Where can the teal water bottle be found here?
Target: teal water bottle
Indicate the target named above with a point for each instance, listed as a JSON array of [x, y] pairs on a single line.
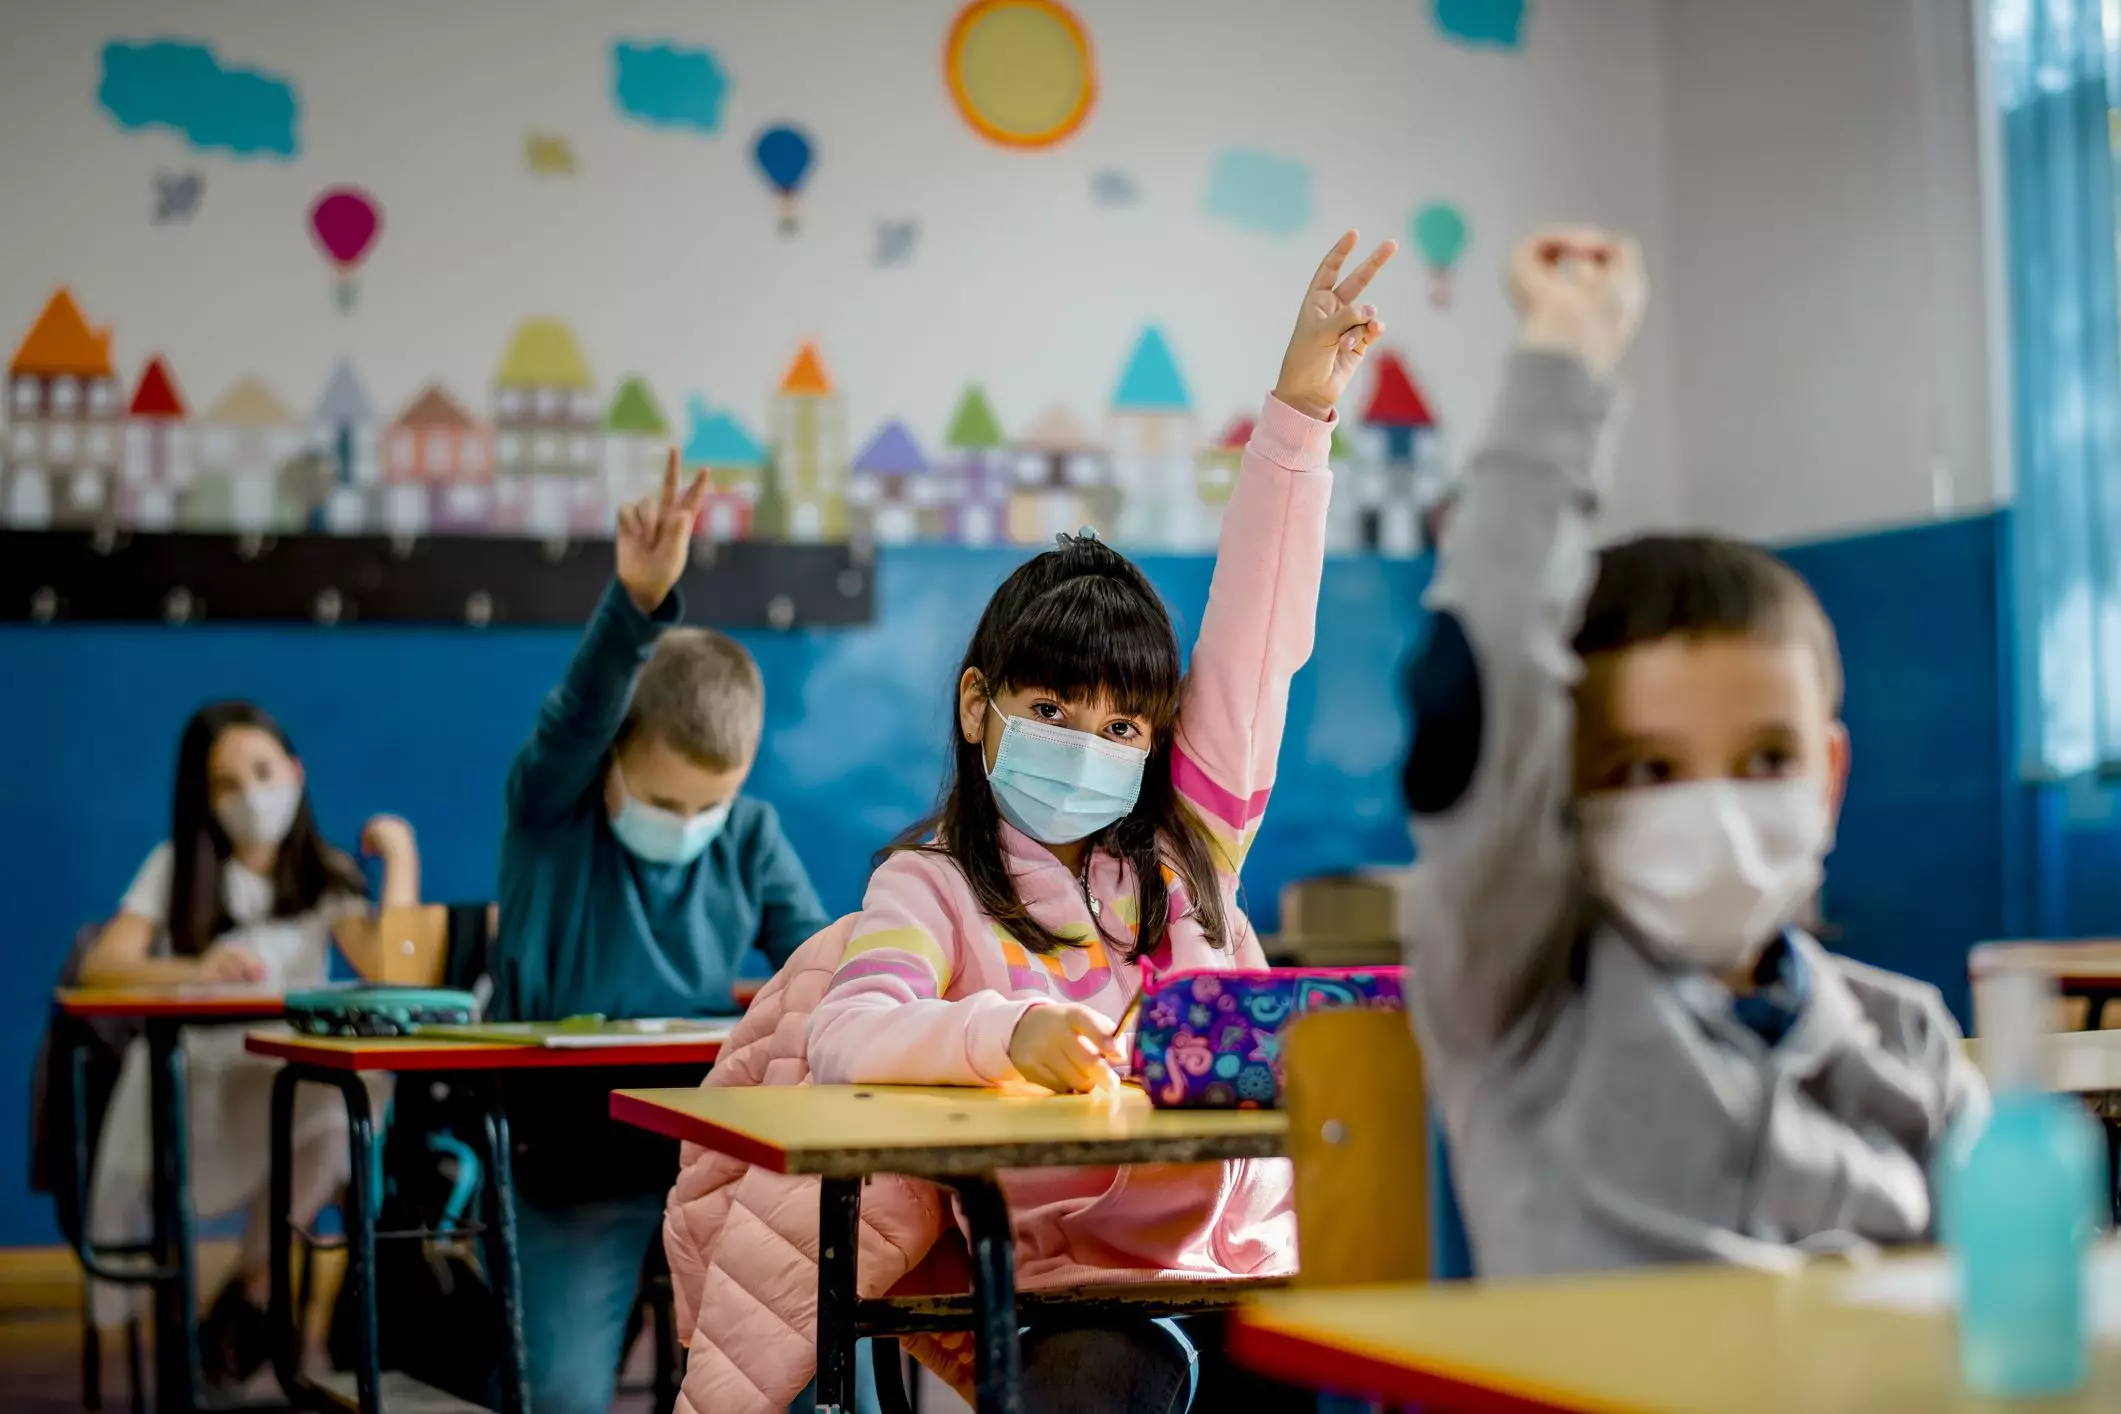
[[2022, 1197]]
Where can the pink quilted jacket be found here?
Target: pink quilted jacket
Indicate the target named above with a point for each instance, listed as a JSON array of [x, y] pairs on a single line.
[[927, 991]]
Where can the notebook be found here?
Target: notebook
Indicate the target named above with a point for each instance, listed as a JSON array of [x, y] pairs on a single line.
[[593, 1035]]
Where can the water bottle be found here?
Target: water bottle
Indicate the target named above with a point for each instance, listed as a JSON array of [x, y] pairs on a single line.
[[2021, 1203]]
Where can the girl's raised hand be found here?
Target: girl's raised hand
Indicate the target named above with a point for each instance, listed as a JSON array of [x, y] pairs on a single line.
[[1333, 332]]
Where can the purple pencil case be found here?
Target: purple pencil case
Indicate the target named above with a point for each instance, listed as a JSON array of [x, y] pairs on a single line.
[[1212, 1040]]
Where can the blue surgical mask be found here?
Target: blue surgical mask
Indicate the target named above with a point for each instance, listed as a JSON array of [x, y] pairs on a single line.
[[1059, 785], [661, 836]]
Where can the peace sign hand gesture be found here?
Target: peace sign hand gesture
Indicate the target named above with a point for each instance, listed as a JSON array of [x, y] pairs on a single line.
[[1333, 332], [654, 536]]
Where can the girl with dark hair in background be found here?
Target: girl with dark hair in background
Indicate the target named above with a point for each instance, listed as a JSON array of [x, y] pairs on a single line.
[[244, 890]]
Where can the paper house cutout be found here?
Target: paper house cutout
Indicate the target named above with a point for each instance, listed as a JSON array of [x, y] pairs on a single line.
[[1151, 382], [806, 375], [156, 397], [973, 427]]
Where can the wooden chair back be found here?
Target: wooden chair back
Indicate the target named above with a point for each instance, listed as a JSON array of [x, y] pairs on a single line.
[[1359, 1137]]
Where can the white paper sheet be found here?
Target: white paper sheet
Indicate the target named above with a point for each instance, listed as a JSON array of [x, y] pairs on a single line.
[[1927, 1286]]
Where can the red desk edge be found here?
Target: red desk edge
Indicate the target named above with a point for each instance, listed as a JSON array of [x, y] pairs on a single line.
[[410, 1056], [658, 1119], [1337, 1369], [85, 1002]]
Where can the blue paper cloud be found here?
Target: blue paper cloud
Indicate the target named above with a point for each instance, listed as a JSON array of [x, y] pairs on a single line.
[[179, 84], [668, 87], [1496, 23], [1260, 192]]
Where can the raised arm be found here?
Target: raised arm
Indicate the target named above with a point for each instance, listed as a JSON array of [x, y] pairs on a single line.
[[563, 761], [1263, 600], [390, 840], [884, 1019], [1488, 775]]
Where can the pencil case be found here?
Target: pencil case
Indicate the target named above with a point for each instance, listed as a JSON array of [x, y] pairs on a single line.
[[1212, 1040], [366, 1009]]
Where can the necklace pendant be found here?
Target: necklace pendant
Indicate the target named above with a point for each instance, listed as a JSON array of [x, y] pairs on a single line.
[[1097, 910]]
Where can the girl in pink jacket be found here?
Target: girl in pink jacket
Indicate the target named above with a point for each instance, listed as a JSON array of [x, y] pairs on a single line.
[[1098, 809]]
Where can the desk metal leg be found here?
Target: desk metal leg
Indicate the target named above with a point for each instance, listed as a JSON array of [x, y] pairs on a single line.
[[502, 1260], [999, 1374], [839, 1223], [176, 1300], [280, 1306], [363, 1200]]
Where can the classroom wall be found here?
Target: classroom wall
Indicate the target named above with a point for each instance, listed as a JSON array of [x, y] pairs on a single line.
[[1828, 287]]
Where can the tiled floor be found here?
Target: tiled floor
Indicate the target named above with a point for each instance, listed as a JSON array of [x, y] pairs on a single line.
[[40, 1335]]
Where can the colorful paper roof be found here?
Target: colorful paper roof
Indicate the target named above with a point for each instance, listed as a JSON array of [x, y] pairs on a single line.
[[1235, 435], [543, 354], [61, 342], [634, 410], [157, 395], [1151, 382], [1057, 430], [249, 404], [973, 427], [806, 376], [891, 452], [719, 440], [344, 403], [1394, 400], [434, 408]]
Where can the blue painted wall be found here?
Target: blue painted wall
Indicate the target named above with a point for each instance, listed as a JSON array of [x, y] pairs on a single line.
[[1939, 847], [423, 722]]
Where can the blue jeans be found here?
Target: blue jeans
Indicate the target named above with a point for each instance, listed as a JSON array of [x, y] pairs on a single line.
[[581, 1270], [1145, 1367]]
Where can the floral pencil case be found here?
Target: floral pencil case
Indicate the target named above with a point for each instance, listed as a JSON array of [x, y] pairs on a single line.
[[1212, 1040]]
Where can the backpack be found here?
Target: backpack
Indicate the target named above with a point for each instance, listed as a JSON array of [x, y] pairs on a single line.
[[437, 1318]]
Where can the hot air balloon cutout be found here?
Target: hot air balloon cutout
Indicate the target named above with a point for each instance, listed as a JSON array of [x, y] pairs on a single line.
[[1440, 234], [783, 155], [345, 222]]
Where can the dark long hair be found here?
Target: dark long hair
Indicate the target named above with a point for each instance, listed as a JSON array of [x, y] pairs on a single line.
[[1078, 620], [305, 870]]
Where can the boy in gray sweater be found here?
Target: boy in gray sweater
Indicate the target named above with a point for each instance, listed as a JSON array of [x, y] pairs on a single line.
[[1624, 775]]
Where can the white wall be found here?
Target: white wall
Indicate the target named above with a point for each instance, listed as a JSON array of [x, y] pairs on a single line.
[[662, 254], [1827, 281]]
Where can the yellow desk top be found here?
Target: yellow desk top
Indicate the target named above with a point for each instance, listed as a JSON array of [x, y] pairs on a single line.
[[1706, 1340], [850, 1131]]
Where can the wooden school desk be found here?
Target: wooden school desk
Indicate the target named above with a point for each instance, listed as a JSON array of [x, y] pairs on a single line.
[[2090, 969], [1694, 1340], [168, 1270], [341, 1061], [956, 1136]]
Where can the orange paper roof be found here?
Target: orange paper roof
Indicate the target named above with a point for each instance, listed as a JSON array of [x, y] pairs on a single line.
[[434, 408], [806, 377], [61, 342], [157, 395]]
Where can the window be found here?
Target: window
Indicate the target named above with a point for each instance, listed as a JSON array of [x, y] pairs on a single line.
[[102, 398], [545, 451], [548, 403], [59, 443], [585, 407], [98, 443], [404, 453], [28, 396], [24, 443], [508, 450], [581, 451], [85, 490], [441, 449], [471, 452], [66, 396], [508, 403]]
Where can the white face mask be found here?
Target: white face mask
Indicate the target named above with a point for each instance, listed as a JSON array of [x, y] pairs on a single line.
[[1707, 871], [259, 815]]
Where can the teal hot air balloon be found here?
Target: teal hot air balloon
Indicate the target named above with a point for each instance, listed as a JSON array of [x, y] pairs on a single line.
[[1440, 234], [783, 157]]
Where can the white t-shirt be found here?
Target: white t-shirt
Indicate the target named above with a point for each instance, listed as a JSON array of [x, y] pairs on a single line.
[[296, 951]]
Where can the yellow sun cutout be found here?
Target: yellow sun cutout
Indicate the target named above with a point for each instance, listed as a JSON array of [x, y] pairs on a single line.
[[1020, 70]]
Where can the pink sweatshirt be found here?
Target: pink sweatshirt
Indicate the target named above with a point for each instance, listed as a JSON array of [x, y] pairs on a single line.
[[929, 990]]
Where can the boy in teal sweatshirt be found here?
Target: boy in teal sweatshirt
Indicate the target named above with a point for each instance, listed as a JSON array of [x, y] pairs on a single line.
[[634, 877]]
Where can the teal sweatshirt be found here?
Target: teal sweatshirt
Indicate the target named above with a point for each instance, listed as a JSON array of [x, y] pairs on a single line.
[[586, 926]]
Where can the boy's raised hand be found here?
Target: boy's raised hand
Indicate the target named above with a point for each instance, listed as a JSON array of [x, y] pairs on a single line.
[[1333, 332], [654, 536], [1579, 291]]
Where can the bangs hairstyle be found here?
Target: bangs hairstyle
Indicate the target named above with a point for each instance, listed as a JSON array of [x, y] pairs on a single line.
[[304, 871], [1077, 621], [1702, 586]]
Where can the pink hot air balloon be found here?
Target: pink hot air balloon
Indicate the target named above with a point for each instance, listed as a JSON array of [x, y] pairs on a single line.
[[345, 222]]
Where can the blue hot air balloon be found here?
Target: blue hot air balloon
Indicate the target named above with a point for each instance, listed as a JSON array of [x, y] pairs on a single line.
[[783, 155]]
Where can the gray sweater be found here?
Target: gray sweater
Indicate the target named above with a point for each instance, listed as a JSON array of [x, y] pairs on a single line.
[[1604, 1109]]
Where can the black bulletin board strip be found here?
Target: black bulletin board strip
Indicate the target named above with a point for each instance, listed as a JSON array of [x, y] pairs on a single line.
[[102, 576]]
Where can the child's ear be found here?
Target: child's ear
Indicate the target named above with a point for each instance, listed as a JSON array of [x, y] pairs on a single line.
[[972, 706], [1837, 768]]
